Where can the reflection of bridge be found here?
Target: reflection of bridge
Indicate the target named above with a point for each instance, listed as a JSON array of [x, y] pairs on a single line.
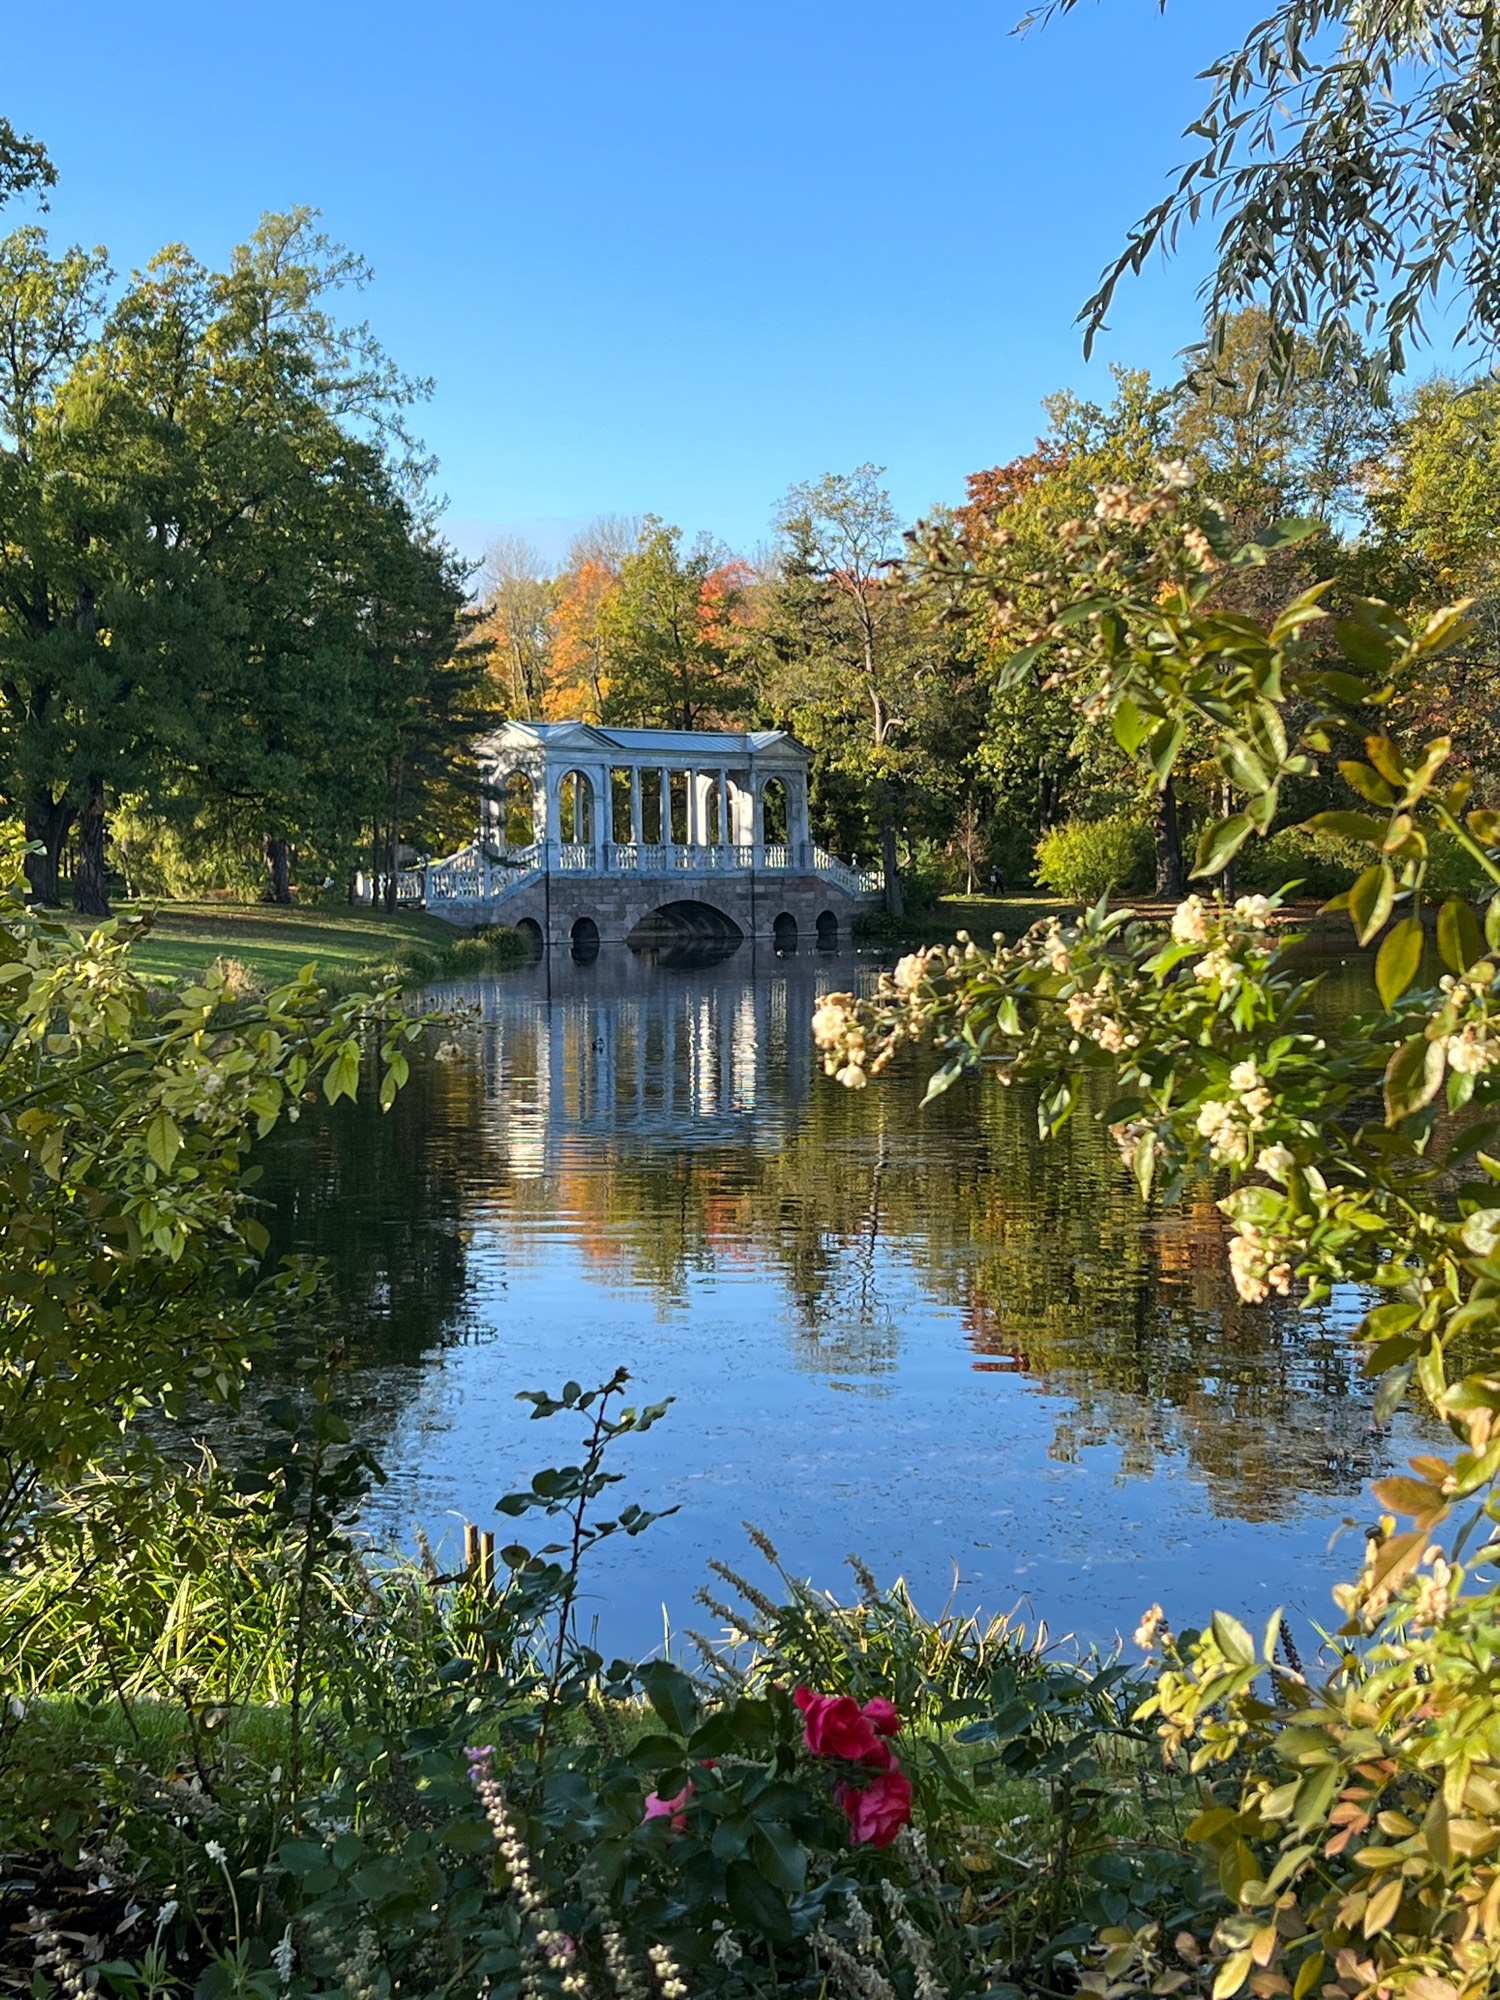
[[592, 833], [612, 1051]]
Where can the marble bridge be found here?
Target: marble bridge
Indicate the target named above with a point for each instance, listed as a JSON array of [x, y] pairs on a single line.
[[593, 835]]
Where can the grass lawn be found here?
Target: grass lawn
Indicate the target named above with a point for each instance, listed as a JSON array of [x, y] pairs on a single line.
[[186, 937]]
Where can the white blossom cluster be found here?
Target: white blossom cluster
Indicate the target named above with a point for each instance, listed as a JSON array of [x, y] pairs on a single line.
[[1470, 1049], [1090, 1014], [1230, 1123], [1258, 1264]]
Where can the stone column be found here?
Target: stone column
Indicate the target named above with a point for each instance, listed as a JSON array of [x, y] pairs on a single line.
[[636, 834], [726, 835], [797, 828], [757, 820], [665, 815]]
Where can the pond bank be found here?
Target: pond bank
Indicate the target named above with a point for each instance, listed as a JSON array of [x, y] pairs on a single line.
[[348, 946]]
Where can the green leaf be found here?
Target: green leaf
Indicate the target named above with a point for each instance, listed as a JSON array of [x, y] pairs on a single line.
[[1315, 1796], [1242, 766], [1399, 960], [1347, 826], [163, 1140], [1371, 899], [1162, 749], [1413, 1077], [672, 1695], [1460, 941], [780, 1858], [1219, 843], [342, 1079], [1234, 1641], [1129, 726], [1390, 1391], [1286, 534], [1369, 784], [755, 1905]]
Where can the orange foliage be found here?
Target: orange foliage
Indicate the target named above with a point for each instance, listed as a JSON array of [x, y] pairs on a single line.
[[723, 614], [992, 492], [578, 681]]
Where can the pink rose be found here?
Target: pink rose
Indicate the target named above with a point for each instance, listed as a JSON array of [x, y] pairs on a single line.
[[674, 1809], [882, 1715], [834, 1725], [877, 1811]]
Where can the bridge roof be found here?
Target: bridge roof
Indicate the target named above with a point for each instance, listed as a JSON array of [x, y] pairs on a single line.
[[672, 745]]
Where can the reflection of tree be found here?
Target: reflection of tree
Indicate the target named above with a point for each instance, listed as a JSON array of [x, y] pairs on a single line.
[[378, 1198], [676, 1124]]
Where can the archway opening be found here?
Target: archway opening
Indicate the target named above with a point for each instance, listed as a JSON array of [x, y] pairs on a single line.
[[517, 811], [530, 932], [774, 815], [828, 931], [684, 934], [784, 932], [585, 936], [575, 808]]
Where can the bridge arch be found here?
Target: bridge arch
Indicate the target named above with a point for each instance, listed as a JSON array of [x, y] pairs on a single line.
[[577, 809], [517, 810], [682, 921], [585, 937], [775, 812], [784, 932], [828, 931]]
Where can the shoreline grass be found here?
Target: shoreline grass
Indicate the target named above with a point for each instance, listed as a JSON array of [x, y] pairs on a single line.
[[348, 946]]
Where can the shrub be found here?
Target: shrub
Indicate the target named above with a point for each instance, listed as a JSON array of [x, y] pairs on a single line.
[[1085, 859], [1324, 866]]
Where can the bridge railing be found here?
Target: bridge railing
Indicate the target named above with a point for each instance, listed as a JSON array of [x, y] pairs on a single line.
[[482, 874]]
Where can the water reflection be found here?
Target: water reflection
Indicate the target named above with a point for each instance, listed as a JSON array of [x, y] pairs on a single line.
[[915, 1333]]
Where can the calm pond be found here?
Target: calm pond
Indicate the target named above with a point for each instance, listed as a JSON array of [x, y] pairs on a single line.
[[915, 1334]]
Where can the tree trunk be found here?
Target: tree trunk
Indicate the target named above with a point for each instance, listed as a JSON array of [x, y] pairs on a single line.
[[1046, 798], [89, 887], [47, 823], [893, 901], [278, 869], [1169, 876]]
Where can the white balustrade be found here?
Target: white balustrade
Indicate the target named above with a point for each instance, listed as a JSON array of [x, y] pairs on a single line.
[[476, 874]]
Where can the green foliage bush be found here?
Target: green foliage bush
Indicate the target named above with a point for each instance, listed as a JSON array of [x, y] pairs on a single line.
[[1325, 867], [1086, 859]]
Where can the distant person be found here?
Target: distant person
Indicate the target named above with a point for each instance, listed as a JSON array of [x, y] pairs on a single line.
[[997, 880]]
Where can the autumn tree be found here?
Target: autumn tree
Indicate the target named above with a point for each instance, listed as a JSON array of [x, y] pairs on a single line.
[[1044, 759], [578, 674]]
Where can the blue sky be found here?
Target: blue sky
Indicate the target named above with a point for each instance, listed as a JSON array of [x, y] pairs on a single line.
[[661, 257]]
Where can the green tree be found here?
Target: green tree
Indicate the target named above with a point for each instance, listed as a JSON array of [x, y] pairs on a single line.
[[1435, 509], [24, 165], [668, 633], [327, 603], [130, 1280], [850, 661], [1347, 155]]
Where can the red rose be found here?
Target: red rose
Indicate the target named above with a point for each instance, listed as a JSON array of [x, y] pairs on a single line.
[[877, 1811], [882, 1715], [834, 1725]]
